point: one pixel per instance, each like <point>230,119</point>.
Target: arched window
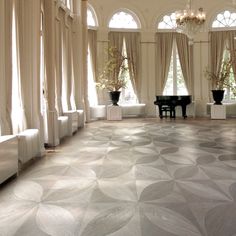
<point>167,22</point>
<point>226,20</point>
<point>91,17</point>
<point>124,20</point>
<point>175,84</point>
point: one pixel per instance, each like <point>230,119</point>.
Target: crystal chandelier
<point>189,21</point>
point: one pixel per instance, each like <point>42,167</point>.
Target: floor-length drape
<point>77,71</point>
<point>116,39</point>
<point>132,41</point>
<point>49,58</point>
<point>217,47</point>
<point>65,69</point>
<point>67,60</point>
<point>58,37</point>
<point>20,122</point>
<point>72,63</point>
<point>92,44</point>
<point>2,70</point>
<point>69,21</point>
<point>232,48</point>
<point>28,18</point>
<point>185,51</point>
<point>6,66</point>
<point>164,45</point>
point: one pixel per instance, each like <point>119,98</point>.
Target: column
<point>149,84</point>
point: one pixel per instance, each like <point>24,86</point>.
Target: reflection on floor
<point>133,177</point>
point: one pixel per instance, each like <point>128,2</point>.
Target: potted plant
<point>221,81</point>
<point>113,76</point>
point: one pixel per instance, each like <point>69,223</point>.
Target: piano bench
<point>167,109</point>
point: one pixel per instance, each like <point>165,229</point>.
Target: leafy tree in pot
<point>113,75</point>
<point>221,80</point>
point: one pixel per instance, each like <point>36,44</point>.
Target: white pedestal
<point>218,112</point>
<point>97,112</point>
<point>8,156</point>
<point>114,113</point>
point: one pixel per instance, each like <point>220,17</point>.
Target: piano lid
<point>173,97</point>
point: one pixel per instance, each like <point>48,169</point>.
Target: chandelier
<point>190,21</point>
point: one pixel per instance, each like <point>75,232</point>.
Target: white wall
<point>149,13</point>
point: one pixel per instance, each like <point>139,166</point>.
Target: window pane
<point>225,19</point>
<point>68,4</point>
<point>127,94</point>
<point>90,18</point>
<point>123,20</point>
<point>175,84</point>
<point>167,22</point>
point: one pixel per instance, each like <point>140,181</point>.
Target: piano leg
<point>160,111</point>
<point>184,111</point>
<point>172,112</point>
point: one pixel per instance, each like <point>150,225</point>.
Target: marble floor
<point>135,177</point>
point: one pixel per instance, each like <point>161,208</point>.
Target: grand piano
<point>167,103</point>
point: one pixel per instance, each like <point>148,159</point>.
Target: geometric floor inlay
<point>135,177</point>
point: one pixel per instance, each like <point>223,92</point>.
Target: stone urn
<point>114,96</point>
<point>218,96</point>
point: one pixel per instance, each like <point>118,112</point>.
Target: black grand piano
<point>167,103</point>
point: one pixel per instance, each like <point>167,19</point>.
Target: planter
<point>218,96</point>
<point>114,96</point>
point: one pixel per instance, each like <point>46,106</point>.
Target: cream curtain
<point>217,47</point>
<point>28,18</point>
<point>69,62</point>
<point>20,123</point>
<point>132,40</point>
<point>58,37</point>
<point>2,70</point>
<point>6,66</point>
<point>77,67</point>
<point>164,45</point>
<point>65,69</point>
<point>232,48</point>
<point>92,44</point>
<point>50,75</point>
<point>72,58</point>
<point>185,52</point>
<point>116,39</point>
